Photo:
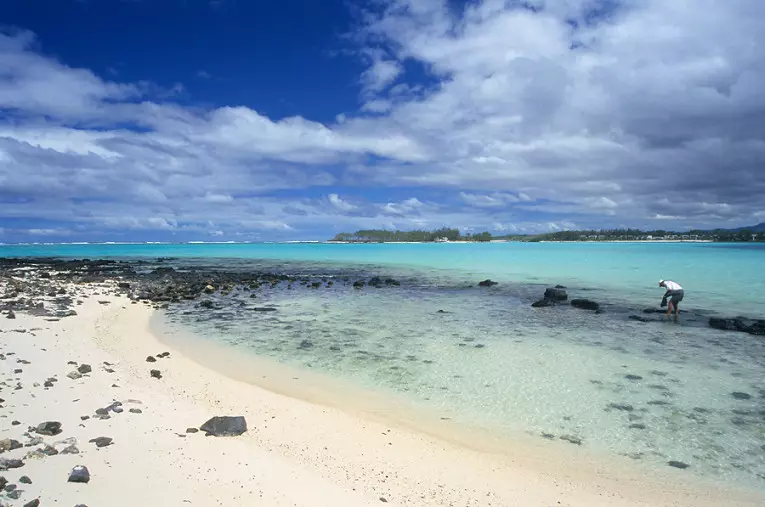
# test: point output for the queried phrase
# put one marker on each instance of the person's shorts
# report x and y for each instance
(676, 296)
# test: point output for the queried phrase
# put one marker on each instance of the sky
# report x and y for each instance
(235, 120)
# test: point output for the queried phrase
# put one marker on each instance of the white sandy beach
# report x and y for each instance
(295, 452)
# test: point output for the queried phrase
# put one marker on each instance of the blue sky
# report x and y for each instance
(183, 120)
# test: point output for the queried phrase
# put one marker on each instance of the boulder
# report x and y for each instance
(49, 428)
(123, 285)
(156, 374)
(8, 444)
(24, 479)
(487, 283)
(375, 281)
(84, 368)
(542, 303)
(151, 359)
(585, 304)
(556, 294)
(220, 426)
(33, 503)
(79, 474)
(358, 284)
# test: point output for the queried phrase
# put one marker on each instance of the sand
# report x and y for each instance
(297, 452)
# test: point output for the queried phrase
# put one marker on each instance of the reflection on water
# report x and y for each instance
(655, 392)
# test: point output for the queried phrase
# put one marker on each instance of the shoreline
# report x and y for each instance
(337, 456)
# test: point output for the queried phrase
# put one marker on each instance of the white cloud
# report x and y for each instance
(340, 204)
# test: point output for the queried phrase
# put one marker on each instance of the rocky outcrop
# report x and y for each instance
(223, 426)
(556, 295)
(741, 324)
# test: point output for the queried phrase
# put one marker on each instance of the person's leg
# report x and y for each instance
(669, 307)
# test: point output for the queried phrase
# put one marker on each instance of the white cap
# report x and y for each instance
(661, 282)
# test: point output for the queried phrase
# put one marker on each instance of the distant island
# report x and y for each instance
(450, 235)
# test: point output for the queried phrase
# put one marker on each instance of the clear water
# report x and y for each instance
(653, 392)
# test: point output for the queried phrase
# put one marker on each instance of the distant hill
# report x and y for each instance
(754, 228)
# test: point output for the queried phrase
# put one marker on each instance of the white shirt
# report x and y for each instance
(672, 285)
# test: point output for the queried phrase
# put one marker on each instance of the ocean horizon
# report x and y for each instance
(624, 381)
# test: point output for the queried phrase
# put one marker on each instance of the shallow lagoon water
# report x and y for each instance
(652, 392)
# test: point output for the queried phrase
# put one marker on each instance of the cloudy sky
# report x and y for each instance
(185, 120)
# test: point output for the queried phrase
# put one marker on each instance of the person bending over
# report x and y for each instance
(675, 293)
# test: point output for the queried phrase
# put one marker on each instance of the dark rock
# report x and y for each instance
(585, 304)
(156, 374)
(741, 324)
(151, 359)
(101, 441)
(14, 495)
(33, 503)
(7, 464)
(136, 411)
(15, 423)
(163, 354)
(207, 304)
(375, 281)
(18, 370)
(25, 480)
(556, 294)
(10, 487)
(305, 344)
(3, 482)
(741, 396)
(79, 474)
(678, 464)
(10, 315)
(639, 318)
(74, 375)
(637, 426)
(225, 426)
(123, 285)
(391, 281)
(84, 368)
(358, 284)
(191, 430)
(543, 303)
(8, 444)
(560, 286)
(47, 383)
(621, 406)
(102, 411)
(49, 428)
(630, 376)
(487, 283)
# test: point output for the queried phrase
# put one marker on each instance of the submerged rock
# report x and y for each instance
(585, 304)
(225, 426)
(543, 303)
(741, 324)
(678, 464)
(741, 396)
(487, 283)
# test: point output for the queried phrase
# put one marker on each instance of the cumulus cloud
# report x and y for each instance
(523, 114)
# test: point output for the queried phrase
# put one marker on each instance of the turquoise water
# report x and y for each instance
(647, 391)
(725, 277)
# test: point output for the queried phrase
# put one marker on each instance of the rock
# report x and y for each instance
(264, 309)
(117, 410)
(556, 294)
(102, 411)
(84, 368)
(207, 304)
(543, 303)
(15, 423)
(305, 344)
(741, 324)
(637, 426)
(156, 374)
(151, 359)
(3, 482)
(14, 495)
(72, 449)
(630, 376)
(391, 281)
(74, 375)
(678, 464)
(33, 503)
(163, 354)
(560, 286)
(639, 318)
(47, 383)
(48, 450)
(741, 396)
(49, 428)
(123, 285)
(8, 444)
(10, 487)
(34, 441)
(571, 439)
(7, 464)
(487, 283)
(621, 406)
(25, 480)
(358, 284)
(191, 430)
(101, 441)
(10, 315)
(209, 289)
(585, 304)
(225, 426)
(136, 411)
(79, 474)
